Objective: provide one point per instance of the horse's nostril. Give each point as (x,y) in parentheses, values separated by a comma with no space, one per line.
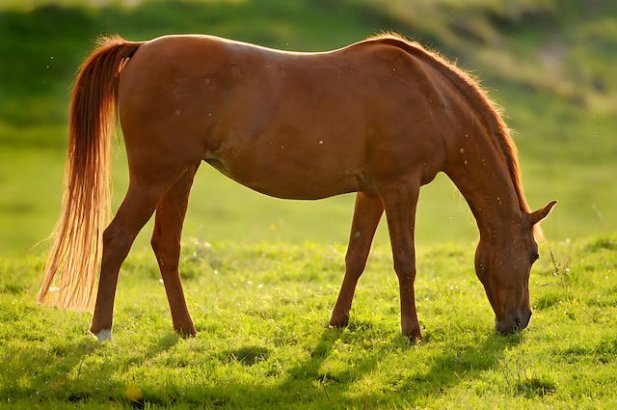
(517,322)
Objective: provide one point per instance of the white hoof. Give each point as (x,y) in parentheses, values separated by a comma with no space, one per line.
(103,335)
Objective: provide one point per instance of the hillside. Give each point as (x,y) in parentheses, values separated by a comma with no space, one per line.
(549,63)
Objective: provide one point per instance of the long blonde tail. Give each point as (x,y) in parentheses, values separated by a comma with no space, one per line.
(75,256)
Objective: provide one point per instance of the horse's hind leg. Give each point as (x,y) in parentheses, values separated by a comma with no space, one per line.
(136,209)
(400,202)
(166,245)
(367,214)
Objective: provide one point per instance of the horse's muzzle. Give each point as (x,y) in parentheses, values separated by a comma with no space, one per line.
(519,322)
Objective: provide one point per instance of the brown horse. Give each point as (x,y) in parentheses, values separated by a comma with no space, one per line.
(380,117)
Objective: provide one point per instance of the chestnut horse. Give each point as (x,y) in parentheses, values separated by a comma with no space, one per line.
(380,117)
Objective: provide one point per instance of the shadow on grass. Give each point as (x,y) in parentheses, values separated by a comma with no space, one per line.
(38,374)
(452,367)
(458,365)
(34,372)
(311,384)
(75,371)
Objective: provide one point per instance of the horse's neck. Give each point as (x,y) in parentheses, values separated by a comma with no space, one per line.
(478,168)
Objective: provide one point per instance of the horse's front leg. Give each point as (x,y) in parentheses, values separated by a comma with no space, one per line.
(367,214)
(166,237)
(400,202)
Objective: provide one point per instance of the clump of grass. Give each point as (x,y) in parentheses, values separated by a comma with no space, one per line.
(601,244)
(535,386)
(247,355)
(561,268)
(547,301)
(524,381)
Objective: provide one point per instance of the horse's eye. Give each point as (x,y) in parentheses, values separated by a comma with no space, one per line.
(534,257)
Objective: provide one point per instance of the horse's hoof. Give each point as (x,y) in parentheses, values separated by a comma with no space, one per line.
(186,332)
(188,335)
(103,335)
(414,337)
(413,334)
(338,323)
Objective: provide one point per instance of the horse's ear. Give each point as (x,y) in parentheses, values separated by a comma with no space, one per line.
(536,216)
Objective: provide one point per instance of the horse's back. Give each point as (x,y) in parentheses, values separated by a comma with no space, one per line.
(281,122)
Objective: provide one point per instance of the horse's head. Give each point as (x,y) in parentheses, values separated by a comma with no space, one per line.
(503,267)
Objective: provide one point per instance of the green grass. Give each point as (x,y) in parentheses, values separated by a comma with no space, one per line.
(261,295)
(261,312)
(549,63)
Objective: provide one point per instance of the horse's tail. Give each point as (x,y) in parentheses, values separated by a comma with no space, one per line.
(77,246)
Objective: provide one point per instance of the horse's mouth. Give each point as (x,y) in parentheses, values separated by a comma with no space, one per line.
(509,328)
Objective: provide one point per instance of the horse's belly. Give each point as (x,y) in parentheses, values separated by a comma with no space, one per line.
(290,179)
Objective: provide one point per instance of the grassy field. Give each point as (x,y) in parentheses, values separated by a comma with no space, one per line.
(262,274)
(529,54)
(261,312)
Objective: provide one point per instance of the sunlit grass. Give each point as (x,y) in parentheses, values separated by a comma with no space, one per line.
(261,294)
(261,313)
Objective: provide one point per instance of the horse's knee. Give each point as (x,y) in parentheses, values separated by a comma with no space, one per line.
(355,264)
(405,268)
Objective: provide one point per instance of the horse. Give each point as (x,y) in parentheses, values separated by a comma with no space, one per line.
(380,117)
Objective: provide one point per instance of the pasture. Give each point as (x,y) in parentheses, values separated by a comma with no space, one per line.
(563,114)
(261,313)
(261,274)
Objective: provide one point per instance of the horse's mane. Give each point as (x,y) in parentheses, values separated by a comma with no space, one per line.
(470,88)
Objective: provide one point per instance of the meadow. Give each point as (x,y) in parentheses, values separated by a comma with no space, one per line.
(261,274)
(261,313)
(528,55)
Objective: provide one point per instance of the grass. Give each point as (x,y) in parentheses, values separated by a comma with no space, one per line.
(262,293)
(261,312)
(529,54)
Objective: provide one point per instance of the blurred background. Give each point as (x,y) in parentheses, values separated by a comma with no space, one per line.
(550,64)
